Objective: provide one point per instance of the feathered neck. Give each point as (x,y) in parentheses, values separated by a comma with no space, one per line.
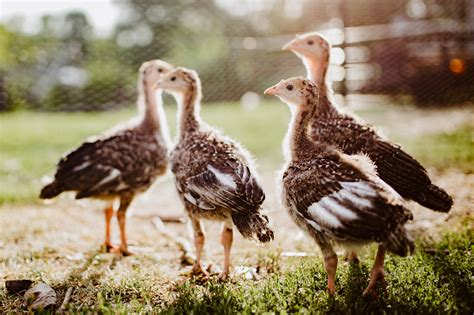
(297,140)
(150,104)
(189,106)
(316,71)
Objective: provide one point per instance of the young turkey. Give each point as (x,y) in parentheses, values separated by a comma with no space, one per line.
(394,166)
(214,176)
(334,196)
(122,163)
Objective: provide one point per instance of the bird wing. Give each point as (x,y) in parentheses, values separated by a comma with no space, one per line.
(101,166)
(399,169)
(338,200)
(394,166)
(226,183)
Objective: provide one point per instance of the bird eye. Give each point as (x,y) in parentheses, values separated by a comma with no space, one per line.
(310,42)
(289,87)
(173,79)
(160,70)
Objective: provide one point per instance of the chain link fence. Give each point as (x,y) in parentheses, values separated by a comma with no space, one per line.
(423,49)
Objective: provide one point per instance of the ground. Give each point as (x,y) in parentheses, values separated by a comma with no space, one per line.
(58,242)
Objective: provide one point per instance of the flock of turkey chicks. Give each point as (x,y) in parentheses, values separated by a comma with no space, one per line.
(342,182)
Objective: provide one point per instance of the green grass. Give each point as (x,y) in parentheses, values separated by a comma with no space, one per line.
(445,150)
(438,278)
(31,143)
(439,282)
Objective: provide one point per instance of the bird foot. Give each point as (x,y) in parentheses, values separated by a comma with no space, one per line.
(121,250)
(223,276)
(108,248)
(198,271)
(331,290)
(376,275)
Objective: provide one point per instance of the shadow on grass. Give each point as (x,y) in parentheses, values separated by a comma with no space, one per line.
(423,283)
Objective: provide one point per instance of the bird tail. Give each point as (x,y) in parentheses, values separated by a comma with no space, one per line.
(50,191)
(253,226)
(399,242)
(436,199)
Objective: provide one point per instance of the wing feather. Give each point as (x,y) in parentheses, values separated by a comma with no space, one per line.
(228,184)
(341,202)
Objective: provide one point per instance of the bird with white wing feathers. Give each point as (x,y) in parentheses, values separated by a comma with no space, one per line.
(215,177)
(352,136)
(334,196)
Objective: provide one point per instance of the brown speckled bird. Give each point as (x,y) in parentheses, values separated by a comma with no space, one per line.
(121,164)
(214,176)
(334,196)
(394,166)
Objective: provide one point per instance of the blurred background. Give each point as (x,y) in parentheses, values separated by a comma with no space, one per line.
(68,71)
(83,56)
(70,55)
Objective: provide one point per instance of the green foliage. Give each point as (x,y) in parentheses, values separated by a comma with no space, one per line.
(32,142)
(446,150)
(439,282)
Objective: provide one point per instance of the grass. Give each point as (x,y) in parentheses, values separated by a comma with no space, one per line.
(438,278)
(442,283)
(31,143)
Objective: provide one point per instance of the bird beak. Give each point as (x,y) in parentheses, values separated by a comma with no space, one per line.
(291,45)
(273,90)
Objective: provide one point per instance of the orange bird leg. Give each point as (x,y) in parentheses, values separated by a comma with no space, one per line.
(330,264)
(377,272)
(226,240)
(109,213)
(199,244)
(121,218)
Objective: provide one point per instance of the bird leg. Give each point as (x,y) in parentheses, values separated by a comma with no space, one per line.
(330,264)
(351,257)
(226,240)
(377,272)
(199,244)
(109,213)
(121,218)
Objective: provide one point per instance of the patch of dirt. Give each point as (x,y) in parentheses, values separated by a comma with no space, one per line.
(63,235)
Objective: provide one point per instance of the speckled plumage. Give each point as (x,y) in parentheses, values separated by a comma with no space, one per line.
(214,176)
(396,167)
(122,163)
(331,195)
(127,162)
(359,206)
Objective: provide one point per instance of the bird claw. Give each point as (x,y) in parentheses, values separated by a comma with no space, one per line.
(198,271)
(223,276)
(121,250)
(108,248)
(332,291)
(377,275)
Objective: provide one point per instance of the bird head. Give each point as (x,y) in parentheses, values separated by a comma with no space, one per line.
(153,70)
(295,91)
(180,80)
(311,45)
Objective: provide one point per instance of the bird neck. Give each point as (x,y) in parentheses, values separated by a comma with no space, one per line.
(297,137)
(316,70)
(151,104)
(189,105)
